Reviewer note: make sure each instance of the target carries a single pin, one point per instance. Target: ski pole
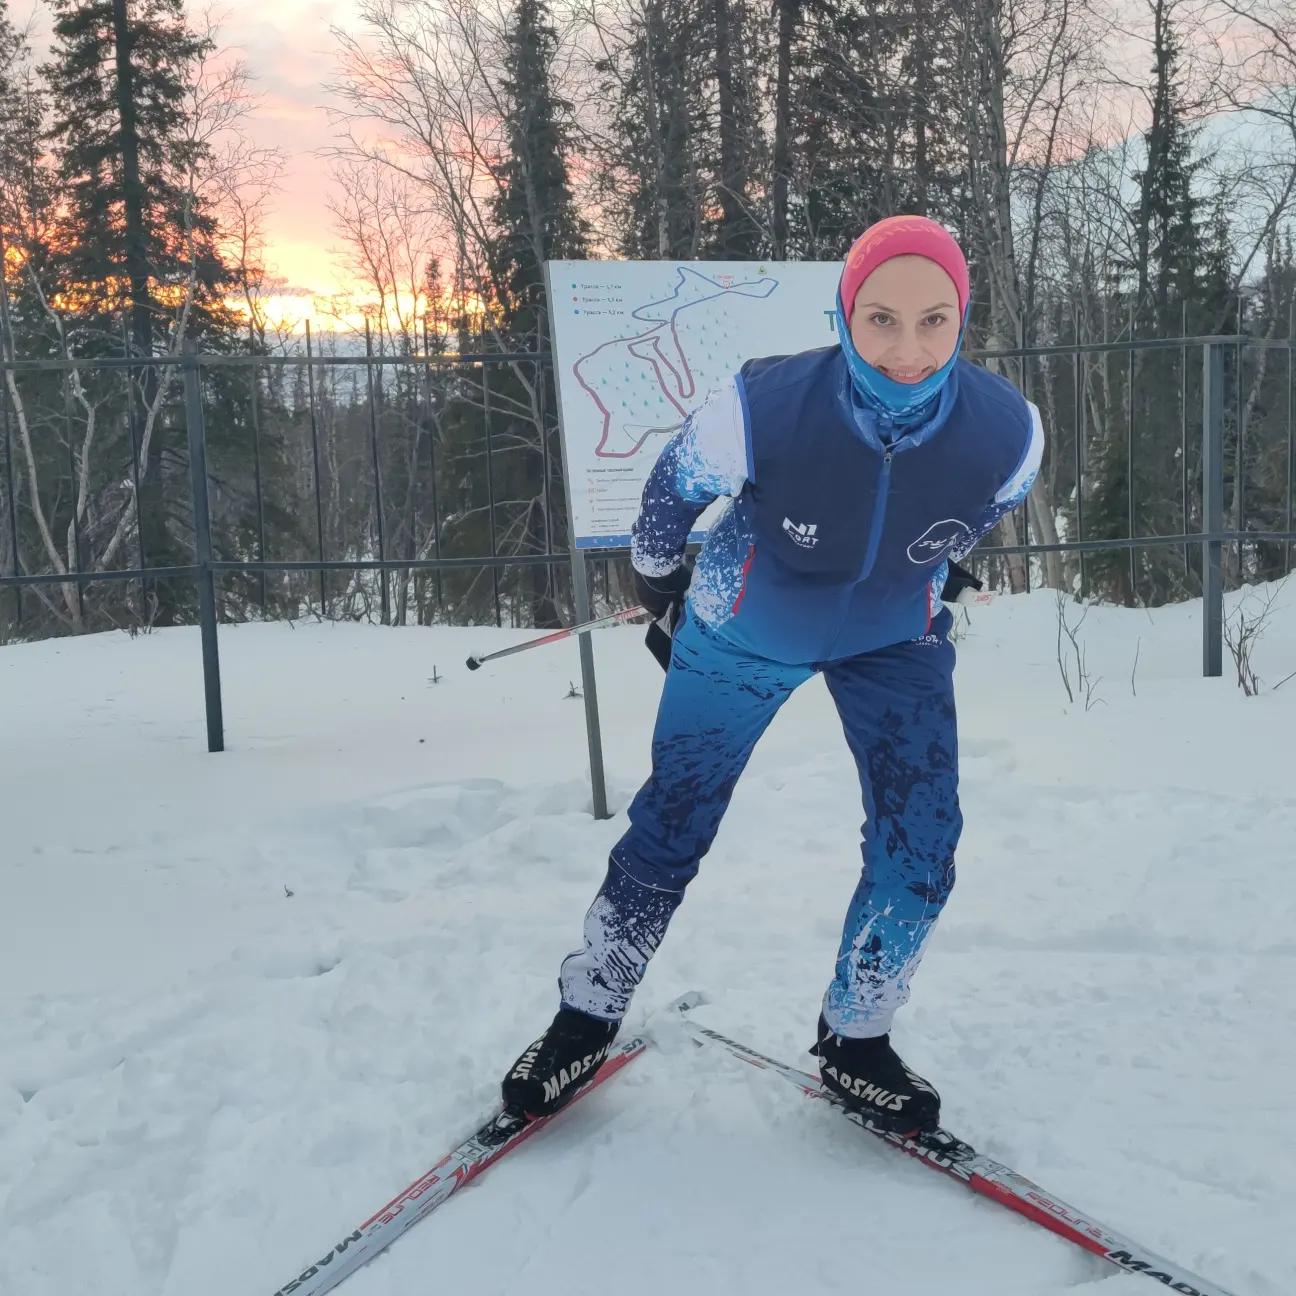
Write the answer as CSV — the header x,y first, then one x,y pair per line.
x,y
613,618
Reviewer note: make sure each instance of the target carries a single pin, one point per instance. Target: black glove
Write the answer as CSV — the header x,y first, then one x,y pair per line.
x,y
663,597
957,581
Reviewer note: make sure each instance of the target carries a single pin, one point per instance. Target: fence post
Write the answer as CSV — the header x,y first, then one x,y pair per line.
x,y
1212,508
202,545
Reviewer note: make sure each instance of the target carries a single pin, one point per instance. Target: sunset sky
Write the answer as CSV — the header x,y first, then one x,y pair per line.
x,y
290,52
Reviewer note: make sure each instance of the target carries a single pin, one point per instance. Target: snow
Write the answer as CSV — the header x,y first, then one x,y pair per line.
x,y
205,1080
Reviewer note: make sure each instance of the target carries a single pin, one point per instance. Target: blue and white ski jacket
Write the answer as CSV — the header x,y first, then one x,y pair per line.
x,y
841,526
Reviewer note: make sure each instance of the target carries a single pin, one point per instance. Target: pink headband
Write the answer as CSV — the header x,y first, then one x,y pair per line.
x,y
903,236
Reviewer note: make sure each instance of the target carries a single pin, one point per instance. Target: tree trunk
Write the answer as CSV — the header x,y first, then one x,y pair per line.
x,y
731,180
984,77
787,16
153,538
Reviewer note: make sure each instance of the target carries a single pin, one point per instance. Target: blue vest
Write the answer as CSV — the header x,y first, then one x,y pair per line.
x,y
846,536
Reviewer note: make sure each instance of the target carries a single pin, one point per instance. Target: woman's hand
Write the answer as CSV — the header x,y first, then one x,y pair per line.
x,y
663,596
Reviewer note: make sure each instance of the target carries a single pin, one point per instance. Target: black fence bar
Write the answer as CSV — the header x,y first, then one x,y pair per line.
x,y
202,549
1129,452
547,467
1025,386
76,512
1138,542
377,471
1291,423
404,564
10,492
217,360
255,403
314,427
1081,378
136,436
1183,432
490,485
90,578
451,359
610,555
1212,508
1239,473
433,423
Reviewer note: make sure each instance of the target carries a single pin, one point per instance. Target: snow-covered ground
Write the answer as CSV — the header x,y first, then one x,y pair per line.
x,y
245,998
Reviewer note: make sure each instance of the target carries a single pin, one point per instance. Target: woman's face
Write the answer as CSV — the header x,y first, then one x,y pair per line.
x,y
905,320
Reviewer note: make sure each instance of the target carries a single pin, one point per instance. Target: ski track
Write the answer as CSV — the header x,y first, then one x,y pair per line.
x,y
205,1080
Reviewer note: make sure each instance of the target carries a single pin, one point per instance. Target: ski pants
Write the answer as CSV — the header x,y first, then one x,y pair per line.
x,y
897,709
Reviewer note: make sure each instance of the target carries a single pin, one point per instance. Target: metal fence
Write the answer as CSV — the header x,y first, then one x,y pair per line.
x,y
1207,410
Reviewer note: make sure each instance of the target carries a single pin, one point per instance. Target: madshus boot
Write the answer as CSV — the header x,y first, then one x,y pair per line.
x,y
868,1076
559,1064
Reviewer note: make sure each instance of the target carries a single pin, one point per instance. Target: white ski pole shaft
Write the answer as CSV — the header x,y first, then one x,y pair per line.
x,y
613,618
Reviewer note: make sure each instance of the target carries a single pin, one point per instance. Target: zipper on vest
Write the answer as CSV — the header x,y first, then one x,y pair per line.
x,y
879,515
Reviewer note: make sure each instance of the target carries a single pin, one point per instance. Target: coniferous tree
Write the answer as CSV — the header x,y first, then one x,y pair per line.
x,y
35,460
533,209
1167,236
1140,462
789,15
878,127
537,221
138,240
1269,441
733,231
656,180
26,188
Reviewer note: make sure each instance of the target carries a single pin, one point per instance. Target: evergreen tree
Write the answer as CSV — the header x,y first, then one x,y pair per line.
x,y
879,127
732,231
657,176
117,79
1168,240
136,233
1271,475
27,190
27,202
789,14
1139,465
537,220
533,209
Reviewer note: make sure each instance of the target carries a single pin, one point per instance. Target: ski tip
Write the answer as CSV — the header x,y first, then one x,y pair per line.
x,y
686,1002
474,664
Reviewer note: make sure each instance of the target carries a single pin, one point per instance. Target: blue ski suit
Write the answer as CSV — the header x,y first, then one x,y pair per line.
x,y
829,558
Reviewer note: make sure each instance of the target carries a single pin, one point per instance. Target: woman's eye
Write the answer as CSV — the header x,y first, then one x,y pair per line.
x,y
880,317
935,321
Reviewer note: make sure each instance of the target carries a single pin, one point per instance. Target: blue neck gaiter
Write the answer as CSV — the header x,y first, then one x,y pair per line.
x,y
904,404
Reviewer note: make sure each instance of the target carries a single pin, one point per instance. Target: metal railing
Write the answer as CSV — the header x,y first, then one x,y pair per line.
x,y
206,569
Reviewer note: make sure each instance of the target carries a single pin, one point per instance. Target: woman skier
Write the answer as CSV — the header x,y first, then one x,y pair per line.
x,y
857,474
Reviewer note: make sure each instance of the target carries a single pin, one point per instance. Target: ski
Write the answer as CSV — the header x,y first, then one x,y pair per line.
x,y
942,1151
503,1132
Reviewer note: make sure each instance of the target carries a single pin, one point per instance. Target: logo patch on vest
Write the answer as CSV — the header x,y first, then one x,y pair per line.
x,y
801,533
937,541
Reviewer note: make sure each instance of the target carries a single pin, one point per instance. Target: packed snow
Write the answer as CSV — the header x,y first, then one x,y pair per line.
x,y
245,998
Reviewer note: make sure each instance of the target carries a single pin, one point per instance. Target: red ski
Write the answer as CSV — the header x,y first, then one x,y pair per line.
x,y
496,1138
959,1160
